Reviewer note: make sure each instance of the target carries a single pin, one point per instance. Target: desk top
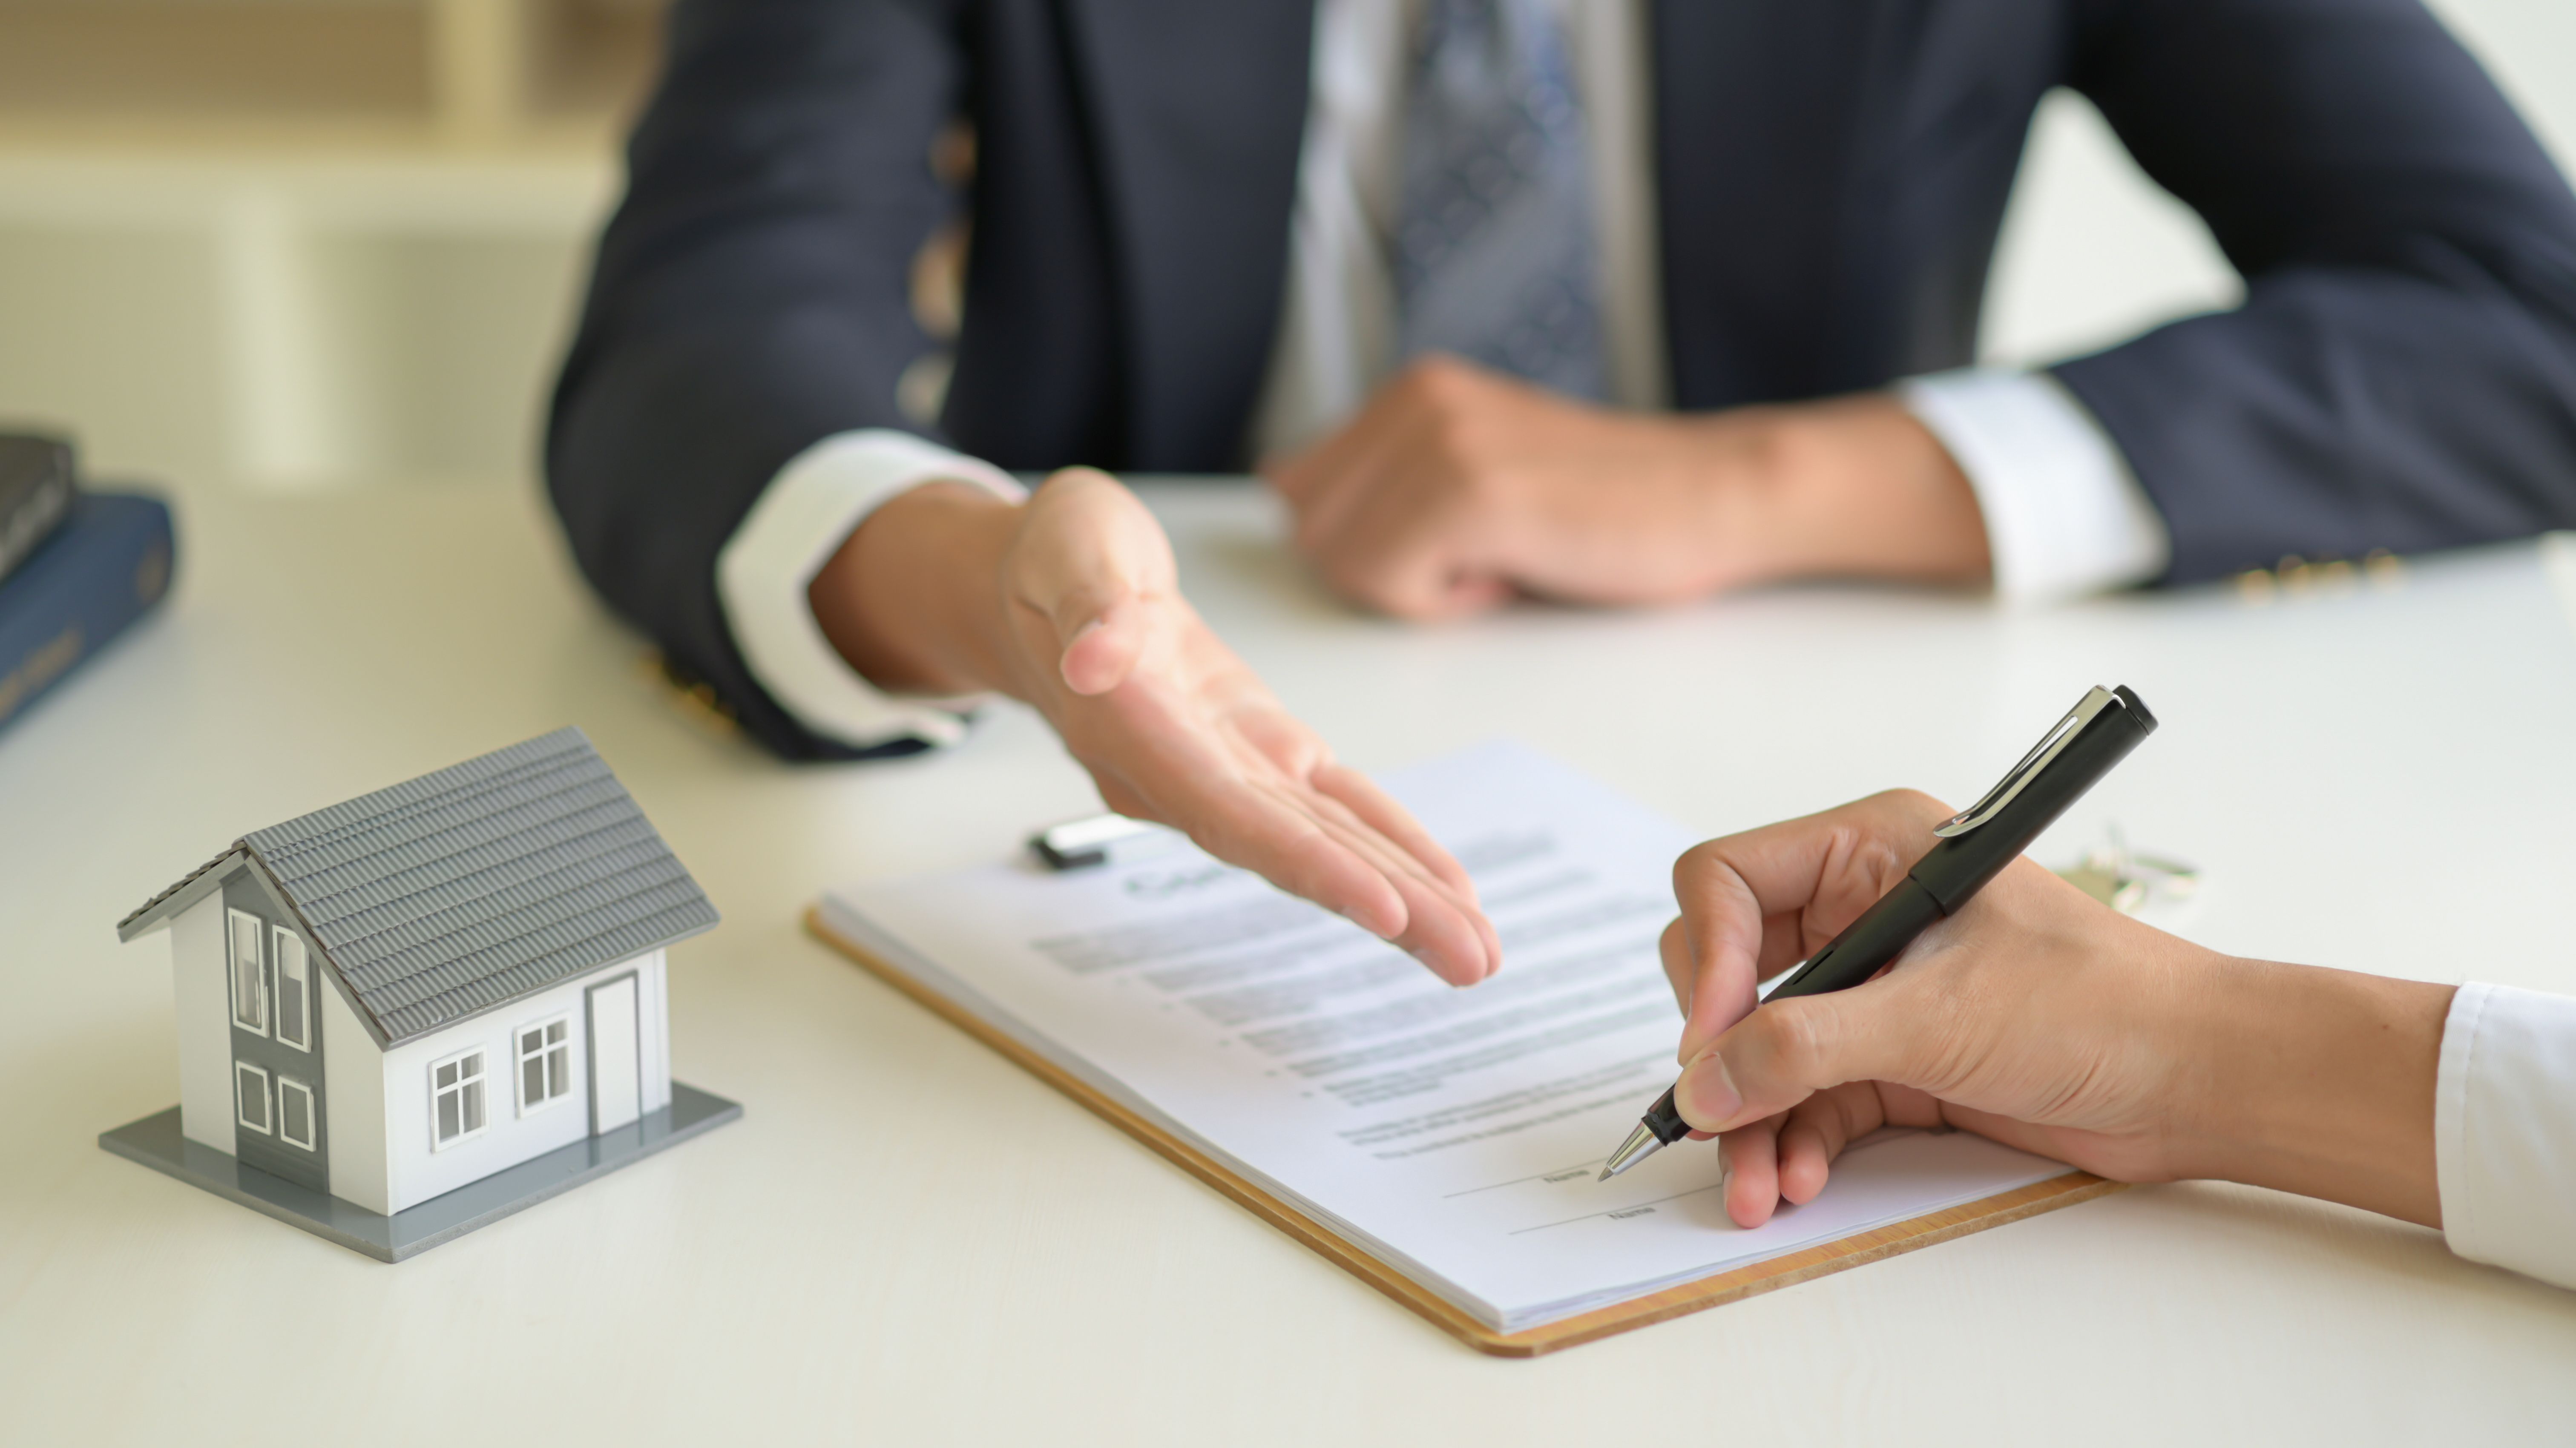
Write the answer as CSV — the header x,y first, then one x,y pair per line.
x,y
2373,776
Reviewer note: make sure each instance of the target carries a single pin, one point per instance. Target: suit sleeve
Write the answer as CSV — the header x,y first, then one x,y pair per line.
x,y
750,299
2402,374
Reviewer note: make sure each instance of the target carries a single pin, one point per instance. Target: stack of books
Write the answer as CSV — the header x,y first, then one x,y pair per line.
x,y
77,566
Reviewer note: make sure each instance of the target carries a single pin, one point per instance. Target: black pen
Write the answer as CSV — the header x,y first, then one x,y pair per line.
x,y
1973,847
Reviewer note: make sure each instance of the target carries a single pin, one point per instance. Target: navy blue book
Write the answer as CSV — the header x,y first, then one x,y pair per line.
x,y
106,566
35,493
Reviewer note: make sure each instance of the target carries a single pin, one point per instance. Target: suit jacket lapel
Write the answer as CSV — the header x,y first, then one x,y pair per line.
x,y
1757,104
1197,110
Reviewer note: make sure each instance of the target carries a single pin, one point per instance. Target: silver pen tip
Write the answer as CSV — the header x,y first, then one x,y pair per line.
x,y
1640,1145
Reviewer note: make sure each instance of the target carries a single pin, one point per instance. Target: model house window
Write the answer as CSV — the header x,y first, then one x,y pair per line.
x,y
250,990
545,1063
250,1095
294,989
294,1112
456,1098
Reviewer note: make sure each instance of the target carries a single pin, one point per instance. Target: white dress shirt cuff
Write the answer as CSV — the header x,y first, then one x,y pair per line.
x,y
2504,1130
2064,515
802,518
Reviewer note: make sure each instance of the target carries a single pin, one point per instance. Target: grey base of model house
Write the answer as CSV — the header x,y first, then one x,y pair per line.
x,y
155,1141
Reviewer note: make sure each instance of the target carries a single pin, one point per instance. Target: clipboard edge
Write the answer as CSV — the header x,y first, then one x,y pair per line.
x,y
1680,1300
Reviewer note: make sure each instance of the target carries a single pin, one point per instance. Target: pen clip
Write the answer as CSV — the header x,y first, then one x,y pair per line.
x,y
2018,778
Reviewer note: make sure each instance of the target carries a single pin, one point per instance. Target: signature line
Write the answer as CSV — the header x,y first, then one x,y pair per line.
x,y
1533,1176
1632,1206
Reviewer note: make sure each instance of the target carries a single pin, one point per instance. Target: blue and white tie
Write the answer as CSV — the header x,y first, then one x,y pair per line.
x,y
1495,254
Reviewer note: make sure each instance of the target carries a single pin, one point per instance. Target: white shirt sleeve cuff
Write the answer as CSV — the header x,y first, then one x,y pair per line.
x,y
2064,515
802,518
2504,1130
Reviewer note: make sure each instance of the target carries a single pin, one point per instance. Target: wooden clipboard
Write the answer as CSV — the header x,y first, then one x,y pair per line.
x,y
1672,1302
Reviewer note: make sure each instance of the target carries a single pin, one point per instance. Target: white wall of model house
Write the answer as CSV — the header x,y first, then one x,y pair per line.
x,y
353,1107
205,1025
514,1129
379,1106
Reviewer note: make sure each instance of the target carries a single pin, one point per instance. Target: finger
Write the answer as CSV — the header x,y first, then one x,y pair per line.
x,y
1436,588
1119,797
1297,476
1788,1050
1444,933
1303,476
1444,927
1368,529
1355,812
1783,943
1468,592
1288,847
1378,810
1195,785
2011,1131
1673,948
1313,846
1726,1005
1721,935
1412,544
1752,1172
1431,923
1101,648
1481,954
1321,483
1380,506
1816,1132
1324,514
1737,895
1247,808
1199,745
1092,562
1909,1106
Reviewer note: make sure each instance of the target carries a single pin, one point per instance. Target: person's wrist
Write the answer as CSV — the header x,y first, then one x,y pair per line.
x,y
1602,505
1730,467
2318,1082
1851,487
913,598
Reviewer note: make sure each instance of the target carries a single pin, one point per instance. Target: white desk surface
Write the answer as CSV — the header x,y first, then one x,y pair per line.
x,y
2379,779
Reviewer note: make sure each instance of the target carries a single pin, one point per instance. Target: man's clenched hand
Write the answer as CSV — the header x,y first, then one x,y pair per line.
x,y
1457,488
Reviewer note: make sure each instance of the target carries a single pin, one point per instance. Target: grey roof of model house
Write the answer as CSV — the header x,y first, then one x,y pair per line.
x,y
459,891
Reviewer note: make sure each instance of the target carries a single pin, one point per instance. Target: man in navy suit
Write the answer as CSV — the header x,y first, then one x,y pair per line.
x,y
1600,300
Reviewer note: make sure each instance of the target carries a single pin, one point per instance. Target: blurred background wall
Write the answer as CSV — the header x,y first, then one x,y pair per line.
x,y
303,244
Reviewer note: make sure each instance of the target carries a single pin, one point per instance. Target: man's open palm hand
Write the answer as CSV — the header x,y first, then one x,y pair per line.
x,y
1175,729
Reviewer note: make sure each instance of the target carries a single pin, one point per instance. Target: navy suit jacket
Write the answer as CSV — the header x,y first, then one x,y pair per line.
x,y
1831,175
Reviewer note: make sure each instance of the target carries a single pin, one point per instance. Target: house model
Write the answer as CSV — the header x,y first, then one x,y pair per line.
x,y
404,1016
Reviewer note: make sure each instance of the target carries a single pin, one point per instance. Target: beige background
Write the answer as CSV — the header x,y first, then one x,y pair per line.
x,y
330,304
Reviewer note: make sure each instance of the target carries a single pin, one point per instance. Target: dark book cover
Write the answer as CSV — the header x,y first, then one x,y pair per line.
x,y
106,566
35,494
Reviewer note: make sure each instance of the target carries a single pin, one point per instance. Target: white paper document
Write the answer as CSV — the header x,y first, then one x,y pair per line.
x,y
1453,1134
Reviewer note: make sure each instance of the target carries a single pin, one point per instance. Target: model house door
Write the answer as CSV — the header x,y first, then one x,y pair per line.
x,y
616,1085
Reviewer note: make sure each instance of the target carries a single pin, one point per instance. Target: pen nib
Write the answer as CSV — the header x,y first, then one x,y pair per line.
x,y
1640,1145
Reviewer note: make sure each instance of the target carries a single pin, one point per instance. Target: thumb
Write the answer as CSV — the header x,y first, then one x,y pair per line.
x,y
1102,633
1789,1050
1092,560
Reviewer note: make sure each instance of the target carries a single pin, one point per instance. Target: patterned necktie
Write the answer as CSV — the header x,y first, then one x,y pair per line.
x,y
1494,247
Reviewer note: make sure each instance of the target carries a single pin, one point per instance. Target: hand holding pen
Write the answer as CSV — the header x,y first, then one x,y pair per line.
x,y
2042,1019
1962,854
